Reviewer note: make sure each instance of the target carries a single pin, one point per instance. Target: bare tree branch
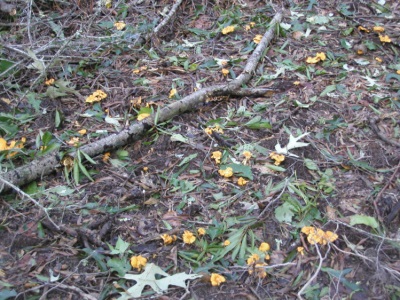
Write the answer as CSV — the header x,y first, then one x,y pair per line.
x,y
25,195
168,17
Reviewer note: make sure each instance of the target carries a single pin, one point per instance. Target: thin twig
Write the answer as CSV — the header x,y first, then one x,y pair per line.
x,y
43,72
7,71
372,123
266,267
29,21
21,192
378,197
272,201
9,47
393,272
321,260
367,233
74,289
168,17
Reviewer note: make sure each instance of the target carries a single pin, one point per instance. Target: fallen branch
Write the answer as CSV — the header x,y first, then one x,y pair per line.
x,y
25,195
372,123
73,289
378,197
47,164
168,17
307,284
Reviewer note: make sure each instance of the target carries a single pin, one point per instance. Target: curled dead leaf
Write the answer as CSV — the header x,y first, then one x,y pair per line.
x,y
174,219
276,257
151,201
297,35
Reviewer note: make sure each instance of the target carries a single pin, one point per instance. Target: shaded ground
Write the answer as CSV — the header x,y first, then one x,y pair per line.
x,y
348,103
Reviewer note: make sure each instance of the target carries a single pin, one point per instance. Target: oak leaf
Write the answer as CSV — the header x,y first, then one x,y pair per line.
x,y
148,277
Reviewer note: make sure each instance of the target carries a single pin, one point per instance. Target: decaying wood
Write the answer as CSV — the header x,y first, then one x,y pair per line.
x,y
47,164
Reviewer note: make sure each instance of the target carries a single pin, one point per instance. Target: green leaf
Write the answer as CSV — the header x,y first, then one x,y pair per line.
x,y
344,9
50,148
362,164
187,159
236,251
346,32
37,64
218,196
258,123
260,149
5,284
299,104
121,246
145,110
60,88
61,190
365,220
370,45
106,24
243,248
32,188
193,67
341,276
7,128
5,65
284,213
7,294
318,20
33,101
199,32
113,121
392,76
85,171
235,238
46,138
211,63
58,30
179,138
241,170
275,168
88,158
152,54
99,258
76,172
41,232
328,89
310,164
120,265
123,154
362,61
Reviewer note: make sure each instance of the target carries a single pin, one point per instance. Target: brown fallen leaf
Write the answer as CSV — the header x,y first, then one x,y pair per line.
x,y
151,201
277,257
331,212
297,35
174,219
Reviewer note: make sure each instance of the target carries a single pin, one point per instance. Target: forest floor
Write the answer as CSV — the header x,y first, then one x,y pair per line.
x,y
203,192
